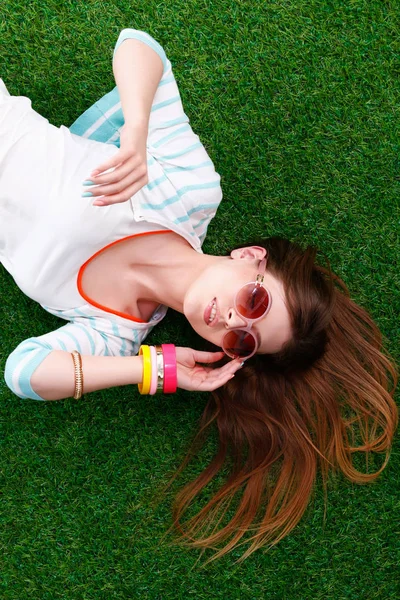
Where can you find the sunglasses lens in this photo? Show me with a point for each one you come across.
(252, 301)
(239, 344)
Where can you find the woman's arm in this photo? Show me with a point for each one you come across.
(42, 368)
(137, 70)
(54, 379)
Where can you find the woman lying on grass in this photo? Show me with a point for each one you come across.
(308, 375)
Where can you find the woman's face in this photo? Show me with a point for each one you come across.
(212, 295)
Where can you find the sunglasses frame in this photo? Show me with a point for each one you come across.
(259, 282)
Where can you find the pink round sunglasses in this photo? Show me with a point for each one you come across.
(252, 302)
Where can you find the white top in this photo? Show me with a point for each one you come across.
(48, 230)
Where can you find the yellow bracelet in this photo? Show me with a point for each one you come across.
(144, 387)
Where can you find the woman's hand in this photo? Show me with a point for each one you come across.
(129, 166)
(195, 377)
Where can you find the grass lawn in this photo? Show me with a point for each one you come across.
(297, 103)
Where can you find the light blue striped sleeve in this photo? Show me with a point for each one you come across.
(104, 119)
(142, 36)
(24, 360)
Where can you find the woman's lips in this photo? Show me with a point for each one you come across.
(208, 311)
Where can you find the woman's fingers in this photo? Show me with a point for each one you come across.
(207, 357)
(194, 374)
(121, 176)
(117, 181)
(111, 163)
(204, 379)
(127, 193)
(213, 381)
(127, 177)
(123, 167)
(122, 186)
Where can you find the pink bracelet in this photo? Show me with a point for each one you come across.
(170, 368)
(153, 383)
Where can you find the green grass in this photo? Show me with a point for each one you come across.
(297, 104)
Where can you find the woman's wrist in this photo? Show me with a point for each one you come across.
(136, 375)
(138, 123)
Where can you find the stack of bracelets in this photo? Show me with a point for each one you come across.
(159, 370)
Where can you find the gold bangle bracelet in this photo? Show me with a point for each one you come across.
(76, 357)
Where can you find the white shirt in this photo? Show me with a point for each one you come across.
(48, 230)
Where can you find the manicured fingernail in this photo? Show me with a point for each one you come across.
(98, 203)
(242, 363)
(87, 194)
(88, 182)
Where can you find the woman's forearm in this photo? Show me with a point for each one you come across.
(54, 378)
(137, 71)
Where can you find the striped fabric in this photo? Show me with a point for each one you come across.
(88, 332)
(183, 183)
(182, 194)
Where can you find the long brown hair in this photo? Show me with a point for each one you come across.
(327, 395)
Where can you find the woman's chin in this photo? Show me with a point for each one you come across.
(205, 332)
(191, 312)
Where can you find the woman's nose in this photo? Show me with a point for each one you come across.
(234, 320)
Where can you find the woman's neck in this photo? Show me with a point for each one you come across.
(163, 268)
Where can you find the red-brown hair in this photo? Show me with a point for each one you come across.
(325, 396)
